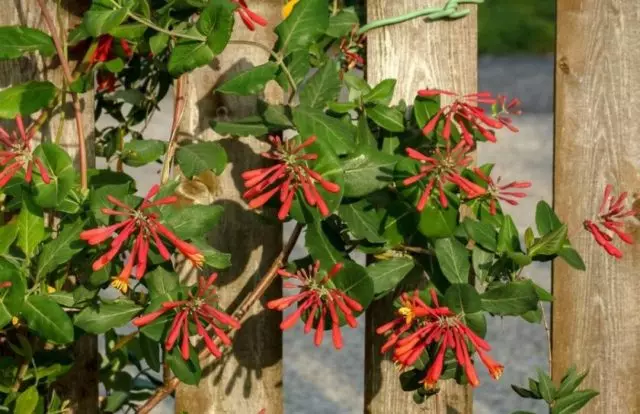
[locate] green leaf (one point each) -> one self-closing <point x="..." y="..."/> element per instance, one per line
<point x="342" y="23"/>
<point x="342" y="107"/>
<point x="242" y="127"/>
<point x="388" y="118"/>
<point x="482" y="233"/>
<point x="188" y="55"/>
<point x="574" y="402"/>
<point x="307" y="22"/>
<point x="188" y="371"/>
<point x="364" y="136"/>
<point x="12" y="297"/>
<point x="27" y="401"/>
<point x="107" y="315"/>
<point x="8" y="234"/>
<point x="250" y="82"/>
<point x="215" y="23"/>
<point x="61" y="172"/>
<point x="354" y="281"/>
<point x="30" y="227"/>
<point x="47" y="319"/>
<point x="61" y="249"/>
<point x="523" y="392"/>
<point x="104" y="16"/>
<point x="25" y="98"/>
<point x="453" y="258"/>
<point x="387" y="274"/>
<point x="514" y="298"/>
<point x="572" y="257"/>
<point x="330" y="131"/>
<point x="424" y="109"/>
<point x="213" y="257"/>
<point x="161" y="284"/>
<point x="482" y="261"/>
<point x="571" y="380"/>
<point x="151" y="352"/>
<point x="550" y="243"/>
<point x="323" y="86"/>
<point x="195" y="159"/>
<point x="367" y="170"/>
<point x="399" y="223"/>
<point x="321" y="247"/>
<point x="130" y="31"/>
<point x="438" y="222"/>
<point x="194" y="221"/>
<point x="382" y="93"/>
<point x="508" y="239"/>
<point x="363" y="220"/>
<point x="463" y="298"/>
<point x="15" y="41"/>
<point x="141" y="152"/>
<point x="546" y="218"/>
<point x="546" y="387"/>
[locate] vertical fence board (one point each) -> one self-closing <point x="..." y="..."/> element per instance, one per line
<point x="250" y="377"/>
<point x="442" y="55"/>
<point x="80" y="385"/>
<point x="595" y="314"/>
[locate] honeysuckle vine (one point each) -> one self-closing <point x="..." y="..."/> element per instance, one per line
<point x="355" y="171"/>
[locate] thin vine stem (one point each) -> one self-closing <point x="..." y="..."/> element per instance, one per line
<point x="69" y="80"/>
<point x="448" y="10"/>
<point x="548" y="332"/>
<point x="178" y="112"/>
<point x="170" y="385"/>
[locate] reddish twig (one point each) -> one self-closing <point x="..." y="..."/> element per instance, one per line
<point x="178" y="111"/>
<point x="69" y="80"/>
<point x="239" y="314"/>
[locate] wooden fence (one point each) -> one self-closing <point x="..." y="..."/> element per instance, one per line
<point x="595" y="318"/>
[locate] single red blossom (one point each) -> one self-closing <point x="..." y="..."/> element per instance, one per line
<point x="106" y="81"/>
<point x="290" y="174"/>
<point x="497" y="192"/>
<point x="104" y="51"/>
<point x="443" y="168"/>
<point x="199" y="310"/>
<point x="15" y="155"/>
<point x="318" y="298"/>
<point x="6" y="284"/>
<point x="609" y="222"/>
<point x="503" y="110"/>
<point x="249" y="17"/>
<point x="149" y="229"/>
<point x="465" y="113"/>
<point x="420" y="326"/>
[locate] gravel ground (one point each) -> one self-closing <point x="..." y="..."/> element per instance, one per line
<point x="320" y="380"/>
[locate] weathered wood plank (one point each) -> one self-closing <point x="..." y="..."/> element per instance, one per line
<point x="595" y="315"/>
<point x="80" y="385"/>
<point x="250" y="379"/>
<point x="418" y="54"/>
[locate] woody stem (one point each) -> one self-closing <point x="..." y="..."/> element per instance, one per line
<point x="69" y="80"/>
<point x="239" y="314"/>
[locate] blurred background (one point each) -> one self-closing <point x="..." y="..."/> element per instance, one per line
<point x="516" y="42"/>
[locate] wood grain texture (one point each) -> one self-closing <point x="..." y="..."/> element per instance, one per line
<point x="596" y="322"/>
<point x="80" y="385"/>
<point x="250" y="378"/>
<point x="418" y="54"/>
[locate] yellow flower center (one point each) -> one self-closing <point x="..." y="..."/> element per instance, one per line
<point x="407" y="313"/>
<point x="121" y="285"/>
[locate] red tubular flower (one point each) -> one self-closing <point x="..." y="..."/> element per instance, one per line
<point x="465" y="113"/>
<point x="148" y="228"/>
<point x="497" y="192"/>
<point x="610" y="221"/>
<point x="106" y="81"/>
<point x="352" y="47"/>
<point x="419" y="327"/>
<point x="16" y="155"/>
<point x="104" y="50"/>
<point x="443" y="168"/>
<point x="503" y="109"/>
<point x="290" y="174"/>
<point x="317" y="297"/>
<point x="249" y="17"/>
<point x="198" y="310"/>
<point x="5" y="284"/>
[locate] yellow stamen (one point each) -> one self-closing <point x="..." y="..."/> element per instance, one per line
<point x="15" y="321"/>
<point x="121" y="285"/>
<point x="50" y="289"/>
<point x="407" y="313"/>
<point x="288" y="8"/>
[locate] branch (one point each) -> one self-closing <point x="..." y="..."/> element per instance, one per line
<point x="548" y="331"/>
<point x="69" y="80"/>
<point x="239" y="314"/>
<point x="178" y="111"/>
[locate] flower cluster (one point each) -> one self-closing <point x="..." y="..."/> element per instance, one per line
<point x="197" y="308"/>
<point x="465" y="113"/>
<point x="497" y="192"/>
<point x="146" y="222"/>
<point x="17" y="155"/>
<point x="317" y="298"/>
<point x="419" y="326"/>
<point x="610" y="221"/>
<point x="249" y="17"/>
<point x="443" y="168"/>
<point x="352" y="47"/>
<point x="286" y="177"/>
<point x="104" y="52"/>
